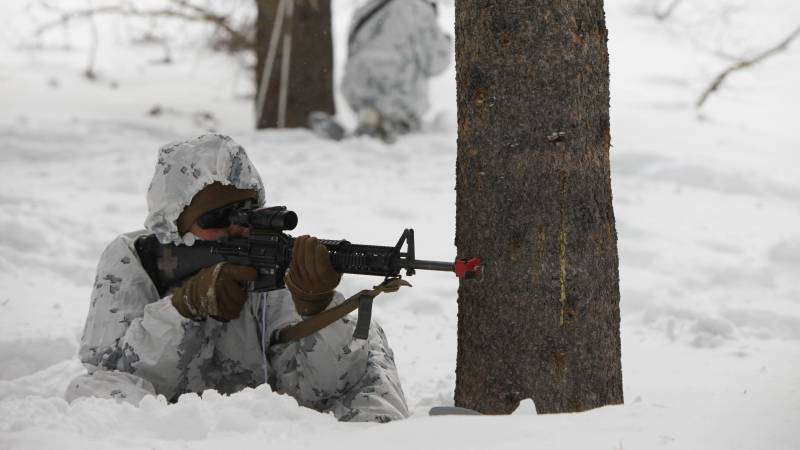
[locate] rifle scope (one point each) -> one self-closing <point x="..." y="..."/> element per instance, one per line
<point x="276" y="218"/>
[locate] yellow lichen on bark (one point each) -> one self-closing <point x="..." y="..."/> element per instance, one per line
<point x="562" y="253"/>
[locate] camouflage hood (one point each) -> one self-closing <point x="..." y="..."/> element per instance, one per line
<point x="185" y="168"/>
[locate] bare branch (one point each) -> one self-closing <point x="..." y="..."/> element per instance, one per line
<point x="664" y="15"/>
<point x="79" y="14"/>
<point x="194" y="14"/>
<point x="221" y="21"/>
<point x="745" y="63"/>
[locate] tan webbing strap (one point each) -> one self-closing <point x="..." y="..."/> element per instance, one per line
<point x="319" y="321"/>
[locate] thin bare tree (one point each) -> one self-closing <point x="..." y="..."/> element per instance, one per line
<point x="294" y="68"/>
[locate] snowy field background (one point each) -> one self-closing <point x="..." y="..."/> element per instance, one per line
<point x="707" y="206"/>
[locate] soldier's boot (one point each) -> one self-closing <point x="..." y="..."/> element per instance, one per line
<point x="371" y="123"/>
<point x="325" y="125"/>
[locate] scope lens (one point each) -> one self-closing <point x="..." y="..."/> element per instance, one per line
<point x="276" y="218"/>
<point x="284" y="220"/>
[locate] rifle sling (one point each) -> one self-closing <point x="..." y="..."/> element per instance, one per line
<point x="364" y="19"/>
<point x="362" y="301"/>
<point x="364" y="317"/>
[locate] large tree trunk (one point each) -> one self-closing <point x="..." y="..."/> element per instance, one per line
<point x="534" y="202"/>
<point x="309" y="84"/>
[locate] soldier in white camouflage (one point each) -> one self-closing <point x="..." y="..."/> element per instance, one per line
<point x="394" y="46"/>
<point x="210" y="333"/>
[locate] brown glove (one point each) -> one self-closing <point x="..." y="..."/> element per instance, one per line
<point x="311" y="277"/>
<point x="216" y="291"/>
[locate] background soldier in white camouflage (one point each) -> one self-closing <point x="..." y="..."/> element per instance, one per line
<point x="394" y="46"/>
<point x="210" y="333"/>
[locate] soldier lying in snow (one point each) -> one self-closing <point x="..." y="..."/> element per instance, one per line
<point x="210" y="333"/>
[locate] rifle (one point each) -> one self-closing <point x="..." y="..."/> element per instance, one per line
<point x="268" y="249"/>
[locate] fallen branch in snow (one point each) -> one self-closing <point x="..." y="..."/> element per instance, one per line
<point x="745" y="63"/>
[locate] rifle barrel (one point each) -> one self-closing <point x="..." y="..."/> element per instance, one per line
<point x="432" y="265"/>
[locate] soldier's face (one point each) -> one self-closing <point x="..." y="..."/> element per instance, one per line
<point x="213" y="234"/>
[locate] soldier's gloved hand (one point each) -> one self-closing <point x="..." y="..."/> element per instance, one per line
<point x="311" y="277"/>
<point x="218" y="291"/>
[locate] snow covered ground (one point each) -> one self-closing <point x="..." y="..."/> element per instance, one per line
<point x="707" y="207"/>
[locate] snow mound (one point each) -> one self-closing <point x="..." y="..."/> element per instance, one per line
<point x="192" y="418"/>
<point x="28" y="356"/>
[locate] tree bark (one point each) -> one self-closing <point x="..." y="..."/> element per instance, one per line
<point x="534" y="202"/>
<point x="310" y="68"/>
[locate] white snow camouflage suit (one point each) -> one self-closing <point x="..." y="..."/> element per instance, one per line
<point x="394" y="46"/>
<point x="135" y="343"/>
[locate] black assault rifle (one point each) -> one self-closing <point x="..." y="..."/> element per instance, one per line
<point x="269" y="250"/>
